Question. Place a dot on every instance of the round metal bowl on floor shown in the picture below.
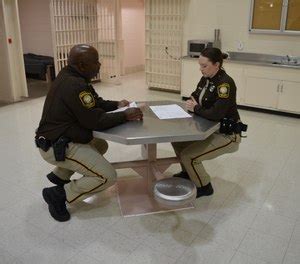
(174, 191)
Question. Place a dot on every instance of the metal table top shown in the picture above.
(154, 130)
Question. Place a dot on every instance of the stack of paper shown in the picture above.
(169, 111)
(132, 104)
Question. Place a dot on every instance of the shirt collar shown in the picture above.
(217, 76)
(76, 73)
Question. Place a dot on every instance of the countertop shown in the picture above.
(252, 62)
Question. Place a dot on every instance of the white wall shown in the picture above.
(5, 92)
(232, 17)
(13, 86)
(36, 26)
(133, 31)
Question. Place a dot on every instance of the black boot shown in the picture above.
(182, 174)
(205, 190)
(55, 197)
(56, 180)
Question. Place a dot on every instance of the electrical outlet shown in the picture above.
(240, 45)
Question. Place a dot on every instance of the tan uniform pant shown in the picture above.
(86, 159)
(192, 153)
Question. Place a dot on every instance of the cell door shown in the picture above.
(86, 22)
(109, 34)
(164, 27)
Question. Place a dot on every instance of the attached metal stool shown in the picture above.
(173, 192)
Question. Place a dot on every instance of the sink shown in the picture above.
(286, 63)
(255, 57)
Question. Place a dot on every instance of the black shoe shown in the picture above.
(205, 190)
(182, 174)
(56, 180)
(55, 197)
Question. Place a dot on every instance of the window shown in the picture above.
(293, 15)
(275, 16)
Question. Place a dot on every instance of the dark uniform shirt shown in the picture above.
(73, 109)
(216, 97)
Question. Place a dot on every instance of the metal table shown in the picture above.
(135, 195)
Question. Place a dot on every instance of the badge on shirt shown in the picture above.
(87, 99)
(223, 90)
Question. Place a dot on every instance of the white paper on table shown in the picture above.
(132, 104)
(169, 111)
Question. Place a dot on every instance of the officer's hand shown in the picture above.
(133, 113)
(190, 104)
(123, 103)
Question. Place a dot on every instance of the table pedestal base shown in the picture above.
(135, 198)
(136, 195)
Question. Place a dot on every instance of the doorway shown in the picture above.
(133, 36)
(35, 25)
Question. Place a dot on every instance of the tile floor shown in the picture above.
(253, 217)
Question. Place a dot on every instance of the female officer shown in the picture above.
(213, 99)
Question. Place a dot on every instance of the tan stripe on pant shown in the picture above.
(98, 173)
(192, 154)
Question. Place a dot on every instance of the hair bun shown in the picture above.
(225, 55)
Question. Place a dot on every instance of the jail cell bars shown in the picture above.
(107, 15)
(164, 19)
(84, 21)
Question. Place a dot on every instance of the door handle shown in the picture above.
(281, 88)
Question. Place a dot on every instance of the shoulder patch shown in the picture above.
(223, 90)
(87, 99)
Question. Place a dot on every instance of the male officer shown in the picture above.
(72, 111)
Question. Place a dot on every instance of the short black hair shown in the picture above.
(80, 53)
